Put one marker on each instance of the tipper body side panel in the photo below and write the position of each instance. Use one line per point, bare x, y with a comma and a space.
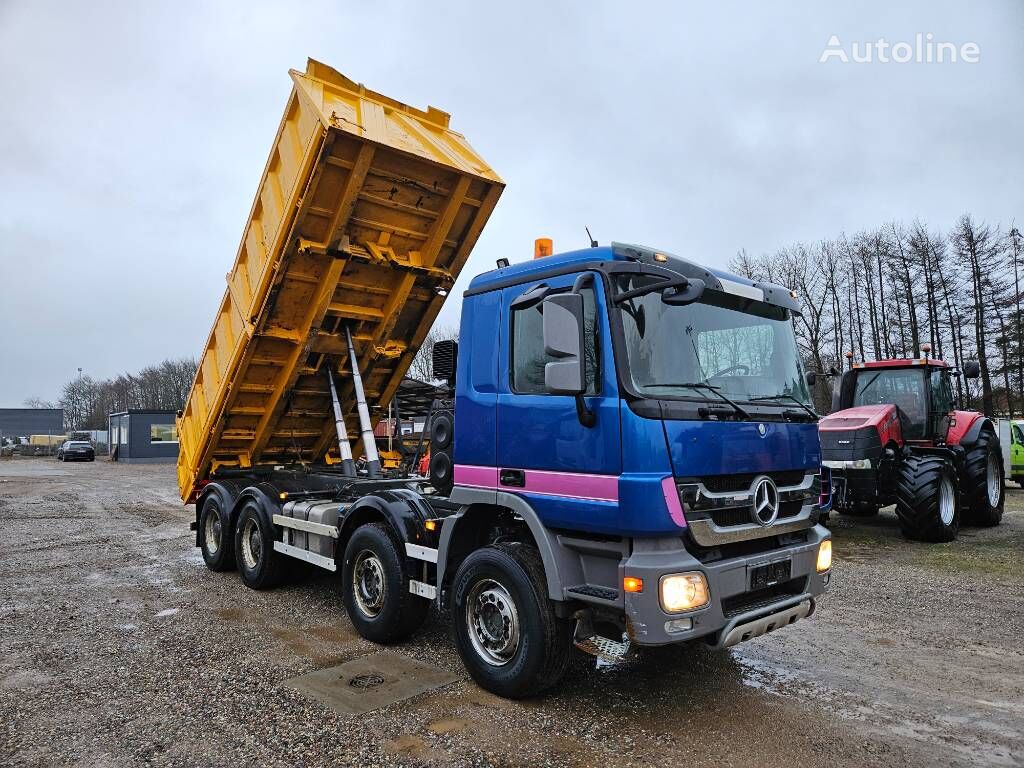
366, 213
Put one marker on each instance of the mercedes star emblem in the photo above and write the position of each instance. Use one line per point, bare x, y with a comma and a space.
766, 502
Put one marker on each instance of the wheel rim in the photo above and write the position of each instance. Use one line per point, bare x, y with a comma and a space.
992, 479
947, 503
252, 544
368, 583
493, 622
211, 533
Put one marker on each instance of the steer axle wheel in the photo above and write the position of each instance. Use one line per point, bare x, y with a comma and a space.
926, 498
375, 587
504, 626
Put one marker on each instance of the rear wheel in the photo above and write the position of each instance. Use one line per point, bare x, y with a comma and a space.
214, 539
926, 499
505, 627
983, 490
258, 564
375, 587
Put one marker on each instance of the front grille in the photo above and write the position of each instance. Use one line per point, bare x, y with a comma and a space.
728, 516
741, 481
762, 598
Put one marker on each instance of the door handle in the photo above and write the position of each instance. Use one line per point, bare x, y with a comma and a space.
513, 477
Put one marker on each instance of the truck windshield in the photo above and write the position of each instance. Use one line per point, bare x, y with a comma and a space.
744, 348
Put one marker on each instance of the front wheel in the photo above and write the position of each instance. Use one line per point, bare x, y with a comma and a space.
984, 494
926, 499
504, 625
375, 587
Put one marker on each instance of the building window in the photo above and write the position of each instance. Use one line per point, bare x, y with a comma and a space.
163, 433
529, 357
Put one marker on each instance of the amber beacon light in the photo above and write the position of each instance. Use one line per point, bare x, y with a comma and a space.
542, 247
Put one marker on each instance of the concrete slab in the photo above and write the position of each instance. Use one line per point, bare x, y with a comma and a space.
371, 682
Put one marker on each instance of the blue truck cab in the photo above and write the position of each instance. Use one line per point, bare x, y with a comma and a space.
648, 420
630, 460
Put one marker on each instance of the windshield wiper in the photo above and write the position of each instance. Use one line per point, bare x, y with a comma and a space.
712, 388
810, 411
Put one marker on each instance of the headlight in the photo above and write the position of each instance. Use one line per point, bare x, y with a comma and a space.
824, 555
684, 592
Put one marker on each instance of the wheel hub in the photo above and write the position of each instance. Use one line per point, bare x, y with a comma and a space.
993, 480
493, 622
212, 533
252, 544
369, 583
947, 501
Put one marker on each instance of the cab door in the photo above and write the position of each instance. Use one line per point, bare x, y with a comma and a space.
941, 405
566, 471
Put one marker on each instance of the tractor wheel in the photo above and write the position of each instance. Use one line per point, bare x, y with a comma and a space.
926, 498
983, 493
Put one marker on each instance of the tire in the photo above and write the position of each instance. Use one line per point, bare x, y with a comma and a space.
926, 498
983, 465
258, 564
507, 580
214, 541
375, 587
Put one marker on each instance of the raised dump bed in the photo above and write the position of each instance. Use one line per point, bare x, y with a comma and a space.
366, 213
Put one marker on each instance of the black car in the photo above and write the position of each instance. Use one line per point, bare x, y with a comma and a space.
76, 450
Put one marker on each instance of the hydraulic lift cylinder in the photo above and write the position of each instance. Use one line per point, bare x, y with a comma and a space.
369, 441
348, 467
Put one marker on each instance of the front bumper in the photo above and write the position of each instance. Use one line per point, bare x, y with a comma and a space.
736, 611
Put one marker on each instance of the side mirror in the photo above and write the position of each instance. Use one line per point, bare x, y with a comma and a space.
810, 377
972, 369
563, 340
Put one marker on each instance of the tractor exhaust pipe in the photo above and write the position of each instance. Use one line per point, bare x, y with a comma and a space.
348, 467
369, 441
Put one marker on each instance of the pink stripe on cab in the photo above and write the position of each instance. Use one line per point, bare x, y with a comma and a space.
575, 485
672, 501
480, 477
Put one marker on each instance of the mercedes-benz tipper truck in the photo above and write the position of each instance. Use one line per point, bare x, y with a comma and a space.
629, 457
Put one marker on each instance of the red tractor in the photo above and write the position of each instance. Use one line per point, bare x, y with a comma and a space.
894, 437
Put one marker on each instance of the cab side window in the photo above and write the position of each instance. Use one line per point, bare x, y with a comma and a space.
1018, 436
529, 358
942, 393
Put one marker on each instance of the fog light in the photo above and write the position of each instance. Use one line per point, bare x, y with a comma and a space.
824, 555
679, 625
684, 592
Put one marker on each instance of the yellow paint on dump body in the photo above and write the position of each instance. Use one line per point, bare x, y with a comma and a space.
366, 213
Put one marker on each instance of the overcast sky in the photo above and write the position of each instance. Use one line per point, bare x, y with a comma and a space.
133, 135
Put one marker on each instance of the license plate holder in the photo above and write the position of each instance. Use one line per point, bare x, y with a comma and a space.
769, 574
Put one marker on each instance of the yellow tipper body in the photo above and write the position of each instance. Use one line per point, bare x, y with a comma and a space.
366, 213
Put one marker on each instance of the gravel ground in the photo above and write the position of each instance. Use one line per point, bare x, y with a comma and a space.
118, 647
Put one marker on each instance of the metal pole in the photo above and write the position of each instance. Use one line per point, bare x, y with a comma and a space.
348, 467
369, 441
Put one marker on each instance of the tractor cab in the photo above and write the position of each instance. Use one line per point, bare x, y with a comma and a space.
920, 390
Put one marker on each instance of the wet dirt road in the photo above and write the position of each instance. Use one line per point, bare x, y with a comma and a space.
118, 647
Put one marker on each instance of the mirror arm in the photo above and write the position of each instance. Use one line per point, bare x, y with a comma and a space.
586, 416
